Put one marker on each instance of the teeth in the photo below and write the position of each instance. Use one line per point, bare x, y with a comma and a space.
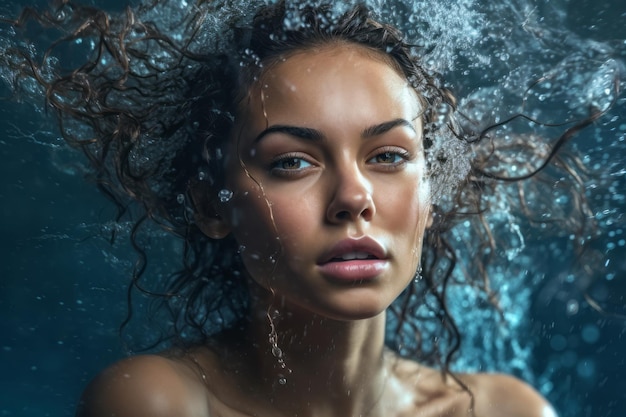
354, 255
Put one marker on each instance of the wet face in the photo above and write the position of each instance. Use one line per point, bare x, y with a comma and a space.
327, 170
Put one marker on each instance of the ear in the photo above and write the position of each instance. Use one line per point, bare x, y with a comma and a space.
208, 219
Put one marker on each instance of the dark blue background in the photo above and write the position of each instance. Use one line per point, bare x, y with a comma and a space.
62, 291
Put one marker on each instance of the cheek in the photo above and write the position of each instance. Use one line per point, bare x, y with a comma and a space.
250, 217
266, 226
406, 202
254, 232
407, 211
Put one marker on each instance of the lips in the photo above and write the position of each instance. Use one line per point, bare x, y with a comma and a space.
354, 260
353, 255
349, 249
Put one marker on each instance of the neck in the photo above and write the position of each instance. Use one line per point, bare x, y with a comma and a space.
324, 367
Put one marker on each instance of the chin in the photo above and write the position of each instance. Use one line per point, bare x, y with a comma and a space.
350, 307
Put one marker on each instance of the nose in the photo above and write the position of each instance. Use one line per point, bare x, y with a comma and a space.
352, 197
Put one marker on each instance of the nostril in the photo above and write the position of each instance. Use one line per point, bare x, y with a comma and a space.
346, 215
349, 204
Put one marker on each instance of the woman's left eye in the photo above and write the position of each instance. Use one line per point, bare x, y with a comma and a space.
389, 158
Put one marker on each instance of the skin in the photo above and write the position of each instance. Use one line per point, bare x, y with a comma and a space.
361, 173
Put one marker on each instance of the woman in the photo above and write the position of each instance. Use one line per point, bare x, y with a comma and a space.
313, 177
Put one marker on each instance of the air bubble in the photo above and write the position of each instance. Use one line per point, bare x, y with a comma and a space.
180, 198
572, 307
225, 195
558, 343
590, 334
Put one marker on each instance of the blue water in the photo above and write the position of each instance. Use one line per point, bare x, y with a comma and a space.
62, 286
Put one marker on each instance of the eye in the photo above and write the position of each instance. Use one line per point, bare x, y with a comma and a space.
289, 165
391, 157
387, 158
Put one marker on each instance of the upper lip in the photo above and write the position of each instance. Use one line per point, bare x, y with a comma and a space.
365, 244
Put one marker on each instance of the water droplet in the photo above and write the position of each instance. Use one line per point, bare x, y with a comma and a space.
277, 352
572, 307
225, 195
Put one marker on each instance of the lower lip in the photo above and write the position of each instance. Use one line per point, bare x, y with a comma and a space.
355, 270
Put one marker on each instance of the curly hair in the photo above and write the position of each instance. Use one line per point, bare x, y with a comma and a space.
152, 114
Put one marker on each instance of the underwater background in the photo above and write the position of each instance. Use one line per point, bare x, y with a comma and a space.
63, 285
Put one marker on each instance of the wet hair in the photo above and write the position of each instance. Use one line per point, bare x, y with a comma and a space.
153, 115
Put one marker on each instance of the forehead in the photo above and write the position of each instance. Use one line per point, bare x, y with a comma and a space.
334, 83
333, 56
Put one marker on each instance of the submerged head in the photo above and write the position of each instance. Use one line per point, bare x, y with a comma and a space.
325, 162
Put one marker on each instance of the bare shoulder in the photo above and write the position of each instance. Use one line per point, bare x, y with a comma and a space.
144, 386
497, 395
434, 393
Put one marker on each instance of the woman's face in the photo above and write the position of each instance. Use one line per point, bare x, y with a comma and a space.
327, 170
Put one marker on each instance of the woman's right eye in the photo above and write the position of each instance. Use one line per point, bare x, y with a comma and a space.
289, 165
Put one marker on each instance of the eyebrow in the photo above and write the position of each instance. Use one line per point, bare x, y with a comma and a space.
317, 136
386, 127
